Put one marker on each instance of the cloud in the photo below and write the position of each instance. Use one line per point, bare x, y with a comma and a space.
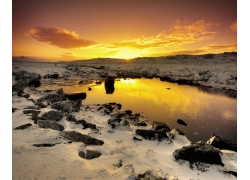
232, 46
233, 26
59, 37
179, 34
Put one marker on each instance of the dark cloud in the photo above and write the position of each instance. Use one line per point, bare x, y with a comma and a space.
59, 37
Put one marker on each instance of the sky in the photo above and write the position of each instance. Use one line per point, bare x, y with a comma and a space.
84, 29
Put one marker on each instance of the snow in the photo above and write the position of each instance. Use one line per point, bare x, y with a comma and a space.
62, 160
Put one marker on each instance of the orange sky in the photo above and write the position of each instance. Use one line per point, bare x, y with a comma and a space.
55, 30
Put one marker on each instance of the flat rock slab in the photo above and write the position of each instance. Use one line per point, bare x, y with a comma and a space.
78, 137
199, 152
23, 126
50, 124
152, 134
76, 96
90, 154
44, 145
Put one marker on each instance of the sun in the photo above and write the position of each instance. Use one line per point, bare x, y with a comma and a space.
128, 53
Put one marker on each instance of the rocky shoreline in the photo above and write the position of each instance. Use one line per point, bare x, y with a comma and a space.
198, 154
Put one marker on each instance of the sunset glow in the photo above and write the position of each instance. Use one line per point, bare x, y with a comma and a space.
81, 29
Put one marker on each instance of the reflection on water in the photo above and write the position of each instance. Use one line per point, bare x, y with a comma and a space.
109, 85
204, 113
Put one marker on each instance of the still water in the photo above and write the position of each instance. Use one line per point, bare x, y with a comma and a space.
205, 113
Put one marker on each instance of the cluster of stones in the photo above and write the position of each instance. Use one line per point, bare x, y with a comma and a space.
64, 104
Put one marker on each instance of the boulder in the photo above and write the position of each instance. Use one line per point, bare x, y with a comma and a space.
199, 152
33, 107
179, 121
152, 134
76, 96
160, 126
90, 154
44, 145
220, 143
52, 97
22, 94
23, 126
25, 79
67, 106
78, 137
109, 84
57, 116
50, 124
85, 124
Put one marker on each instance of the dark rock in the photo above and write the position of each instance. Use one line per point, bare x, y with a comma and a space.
30, 99
35, 119
152, 134
67, 106
142, 123
109, 84
90, 89
51, 76
40, 104
220, 143
22, 94
179, 121
199, 152
76, 96
32, 107
23, 126
148, 175
32, 112
50, 124
57, 116
129, 112
137, 139
85, 124
52, 97
90, 154
44, 145
78, 137
160, 126
80, 82
231, 172
34, 83
14, 109
24, 79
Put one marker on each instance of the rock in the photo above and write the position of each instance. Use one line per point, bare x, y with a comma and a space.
220, 143
137, 139
67, 106
52, 97
199, 152
85, 124
23, 126
35, 119
44, 145
57, 116
160, 126
33, 107
109, 84
14, 109
78, 137
50, 124
41, 105
149, 175
174, 132
32, 112
117, 164
22, 94
25, 79
231, 172
51, 76
142, 123
90, 154
89, 89
152, 134
179, 121
76, 96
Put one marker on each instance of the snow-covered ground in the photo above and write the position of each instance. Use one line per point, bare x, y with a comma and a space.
121, 157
